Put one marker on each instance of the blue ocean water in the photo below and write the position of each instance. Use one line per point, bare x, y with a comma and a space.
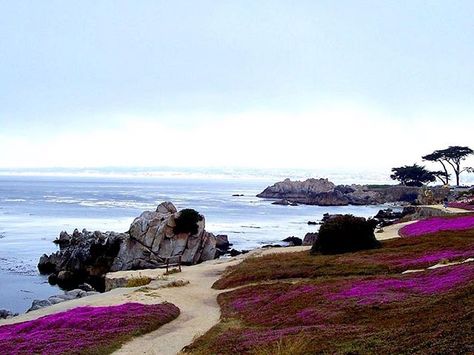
34, 210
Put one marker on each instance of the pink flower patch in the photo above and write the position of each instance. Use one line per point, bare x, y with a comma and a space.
437, 224
83, 329
383, 290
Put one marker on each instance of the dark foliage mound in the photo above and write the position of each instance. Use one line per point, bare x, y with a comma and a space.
346, 233
409, 197
187, 222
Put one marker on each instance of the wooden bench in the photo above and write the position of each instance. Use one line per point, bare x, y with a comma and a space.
173, 261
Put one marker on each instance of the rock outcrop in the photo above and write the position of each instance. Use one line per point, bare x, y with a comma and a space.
5, 314
67, 296
152, 237
310, 238
322, 192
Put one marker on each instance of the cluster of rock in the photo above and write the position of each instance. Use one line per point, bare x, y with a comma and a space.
67, 296
153, 236
323, 192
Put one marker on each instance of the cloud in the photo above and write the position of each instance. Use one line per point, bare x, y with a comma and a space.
336, 136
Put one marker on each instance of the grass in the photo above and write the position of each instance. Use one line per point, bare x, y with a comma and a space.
138, 281
172, 271
287, 346
354, 303
462, 205
395, 256
176, 283
85, 330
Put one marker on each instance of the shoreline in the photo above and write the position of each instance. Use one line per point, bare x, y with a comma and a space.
196, 300
389, 232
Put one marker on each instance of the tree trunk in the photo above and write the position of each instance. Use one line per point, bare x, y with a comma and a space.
456, 171
445, 171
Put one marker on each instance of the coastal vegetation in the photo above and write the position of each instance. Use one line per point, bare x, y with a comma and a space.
187, 221
346, 233
360, 302
138, 281
452, 156
416, 175
85, 330
412, 175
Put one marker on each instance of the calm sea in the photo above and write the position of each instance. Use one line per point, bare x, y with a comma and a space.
34, 210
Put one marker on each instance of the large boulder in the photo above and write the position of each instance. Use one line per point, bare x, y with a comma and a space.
320, 192
310, 238
86, 257
152, 237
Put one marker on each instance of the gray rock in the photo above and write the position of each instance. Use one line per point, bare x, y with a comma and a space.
284, 202
166, 207
38, 304
5, 314
222, 242
91, 293
322, 192
55, 299
310, 238
86, 287
150, 239
67, 296
77, 293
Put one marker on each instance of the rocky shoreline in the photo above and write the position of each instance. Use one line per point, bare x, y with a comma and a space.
323, 192
85, 257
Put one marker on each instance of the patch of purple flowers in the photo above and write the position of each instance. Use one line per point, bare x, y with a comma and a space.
84, 330
383, 290
437, 224
435, 257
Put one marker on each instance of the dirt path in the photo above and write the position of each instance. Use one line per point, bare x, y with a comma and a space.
448, 209
391, 231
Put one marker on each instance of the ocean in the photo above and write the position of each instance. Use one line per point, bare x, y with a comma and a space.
35, 209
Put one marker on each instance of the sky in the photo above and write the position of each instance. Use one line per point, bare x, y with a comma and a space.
334, 85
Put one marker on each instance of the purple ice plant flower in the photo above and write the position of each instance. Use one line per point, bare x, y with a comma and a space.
391, 289
435, 257
437, 224
84, 329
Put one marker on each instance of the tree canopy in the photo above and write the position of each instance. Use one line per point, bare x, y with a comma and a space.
412, 175
453, 156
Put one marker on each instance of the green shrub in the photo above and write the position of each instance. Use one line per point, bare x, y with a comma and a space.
346, 233
187, 222
410, 197
138, 281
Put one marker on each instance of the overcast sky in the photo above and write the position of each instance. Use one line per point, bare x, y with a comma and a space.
340, 85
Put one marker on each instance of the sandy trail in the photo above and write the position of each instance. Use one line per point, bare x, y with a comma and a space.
448, 209
391, 231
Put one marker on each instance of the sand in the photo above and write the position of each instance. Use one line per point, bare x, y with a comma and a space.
448, 209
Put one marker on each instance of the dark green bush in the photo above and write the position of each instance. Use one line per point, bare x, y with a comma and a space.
410, 197
342, 234
187, 221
